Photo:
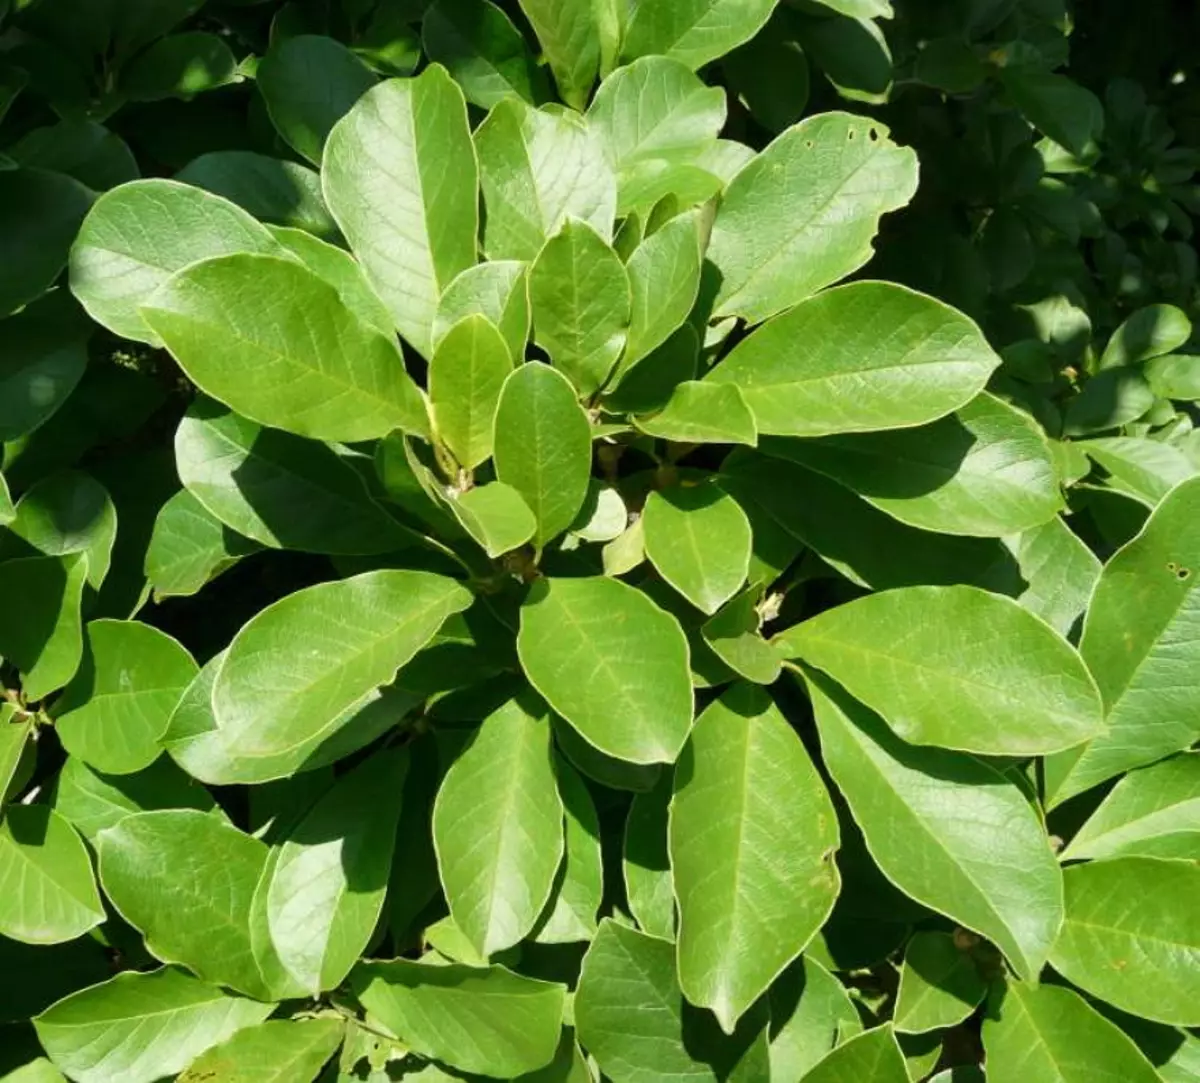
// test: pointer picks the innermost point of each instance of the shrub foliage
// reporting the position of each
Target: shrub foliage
(584, 540)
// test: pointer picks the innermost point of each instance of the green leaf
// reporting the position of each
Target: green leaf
(859, 358)
(811, 1013)
(117, 706)
(955, 667)
(179, 66)
(612, 663)
(1047, 1032)
(327, 890)
(735, 636)
(751, 895)
(273, 190)
(1132, 936)
(342, 271)
(646, 862)
(219, 757)
(274, 342)
(1144, 470)
(1152, 812)
(400, 175)
(1060, 572)
(138, 1028)
(1150, 332)
(803, 213)
(1108, 400)
(281, 1051)
(543, 447)
(309, 83)
(539, 168)
(1057, 106)
(1176, 376)
(570, 41)
(138, 235)
(945, 828)
(633, 1019)
(703, 413)
(655, 116)
(490, 1021)
(853, 53)
(315, 654)
(497, 291)
(69, 512)
(579, 295)
(281, 490)
(40, 213)
(47, 644)
(985, 471)
(940, 985)
(47, 891)
(190, 547)
(482, 50)
(570, 915)
(1136, 640)
(693, 31)
(664, 277)
(496, 516)
(92, 801)
(498, 828)
(470, 364)
(45, 353)
(699, 540)
(36, 1071)
(8, 511)
(159, 870)
(867, 546)
(873, 1055)
(83, 149)
(770, 75)
(14, 733)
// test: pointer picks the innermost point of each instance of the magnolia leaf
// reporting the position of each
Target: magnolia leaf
(734, 635)
(859, 358)
(579, 295)
(496, 516)
(750, 897)
(46, 645)
(693, 31)
(969, 670)
(612, 663)
(1150, 332)
(699, 539)
(273, 341)
(117, 706)
(309, 83)
(947, 829)
(47, 890)
(396, 185)
(646, 862)
(490, 1021)
(874, 1055)
(1152, 812)
(986, 471)
(138, 235)
(45, 353)
(940, 984)
(803, 213)
(811, 1013)
(497, 291)
(138, 1028)
(315, 654)
(1048, 1032)
(1060, 572)
(570, 915)
(158, 868)
(469, 366)
(1136, 642)
(498, 828)
(483, 50)
(1132, 936)
(280, 1051)
(190, 547)
(539, 168)
(703, 413)
(327, 888)
(543, 447)
(570, 40)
